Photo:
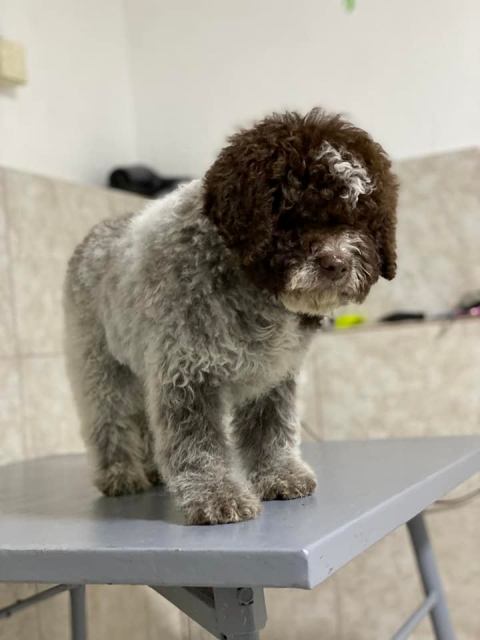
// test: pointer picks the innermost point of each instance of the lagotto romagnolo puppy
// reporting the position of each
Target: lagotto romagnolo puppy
(186, 323)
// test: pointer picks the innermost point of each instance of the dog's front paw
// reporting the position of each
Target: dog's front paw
(121, 479)
(228, 503)
(292, 480)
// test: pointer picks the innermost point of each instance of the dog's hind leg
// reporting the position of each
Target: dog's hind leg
(110, 401)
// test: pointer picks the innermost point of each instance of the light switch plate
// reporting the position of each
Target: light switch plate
(13, 68)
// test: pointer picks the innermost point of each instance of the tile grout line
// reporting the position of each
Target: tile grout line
(33, 356)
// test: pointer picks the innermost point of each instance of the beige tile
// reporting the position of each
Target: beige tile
(455, 537)
(37, 259)
(396, 381)
(379, 590)
(53, 616)
(9, 389)
(80, 209)
(164, 620)
(51, 424)
(294, 613)
(122, 203)
(359, 390)
(7, 336)
(308, 397)
(438, 230)
(11, 428)
(3, 220)
(126, 612)
(116, 612)
(22, 625)
(46, 220)
(452, 377)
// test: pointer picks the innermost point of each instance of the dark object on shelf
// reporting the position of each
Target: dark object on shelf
(142, 180)
(401, 316)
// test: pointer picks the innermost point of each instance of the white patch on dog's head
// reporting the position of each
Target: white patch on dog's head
(349, 170)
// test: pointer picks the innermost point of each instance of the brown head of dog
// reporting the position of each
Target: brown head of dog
(308, 204)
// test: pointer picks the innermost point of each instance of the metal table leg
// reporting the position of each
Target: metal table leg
(228, 614)
(432, 584)
(78, 617)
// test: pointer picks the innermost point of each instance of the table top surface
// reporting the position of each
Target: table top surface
(55, 527)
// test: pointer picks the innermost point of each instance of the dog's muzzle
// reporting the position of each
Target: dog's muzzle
(334, 265)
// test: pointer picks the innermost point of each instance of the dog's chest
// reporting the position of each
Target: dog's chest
(268, 359)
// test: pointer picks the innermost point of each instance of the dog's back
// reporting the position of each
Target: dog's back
(163, 280)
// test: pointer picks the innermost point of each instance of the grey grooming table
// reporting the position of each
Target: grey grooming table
(56, 528)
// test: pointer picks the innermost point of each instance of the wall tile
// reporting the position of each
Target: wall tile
(455, 536)
(116, 612)
(3, 213)
(22, 625)
(7, 335)
(11, 426)
(379, 590)
(438, 231)
(53, 616)
(9, 389)
(126, 612)
(122, 202)
(51, 423)
(37, 258)
(164, 620)
(46, 220)
(409, 380)
(309, 397)
(294, 613)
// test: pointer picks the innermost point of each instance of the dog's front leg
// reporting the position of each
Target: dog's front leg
(266, 431)
(192, 452)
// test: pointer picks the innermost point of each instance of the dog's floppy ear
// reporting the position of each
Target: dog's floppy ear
(243, 188)
(387, 208)
(239, 202)
(387, 248)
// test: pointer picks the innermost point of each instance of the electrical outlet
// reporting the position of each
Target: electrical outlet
(13, 68)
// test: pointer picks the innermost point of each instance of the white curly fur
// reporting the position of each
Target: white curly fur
(354, 175)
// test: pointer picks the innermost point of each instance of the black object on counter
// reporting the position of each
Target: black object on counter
(401, 316)
(142, 180)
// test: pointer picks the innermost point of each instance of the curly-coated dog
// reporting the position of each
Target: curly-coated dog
(187, 322)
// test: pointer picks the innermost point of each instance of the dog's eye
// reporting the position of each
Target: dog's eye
(315, 247)
(289, 221)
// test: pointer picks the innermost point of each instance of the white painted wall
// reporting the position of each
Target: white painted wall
(74, 118)
(407, 70)
(165, 81)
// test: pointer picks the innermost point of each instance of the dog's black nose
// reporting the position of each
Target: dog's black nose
(334, 265)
